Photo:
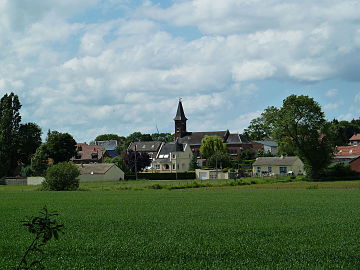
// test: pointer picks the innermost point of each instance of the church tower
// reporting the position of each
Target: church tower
(180, 122)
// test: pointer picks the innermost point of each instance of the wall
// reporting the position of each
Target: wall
(220, 174)
(355, 165)
(32, 181)
(15, 181)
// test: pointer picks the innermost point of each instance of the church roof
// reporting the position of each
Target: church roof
(180, 115)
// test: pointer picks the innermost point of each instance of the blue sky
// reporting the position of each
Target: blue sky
(90, 67)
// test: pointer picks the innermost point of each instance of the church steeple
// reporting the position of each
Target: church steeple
(180, 121)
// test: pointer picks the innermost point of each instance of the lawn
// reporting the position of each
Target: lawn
(230, 228)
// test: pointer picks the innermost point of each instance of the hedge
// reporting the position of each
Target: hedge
(163, 176)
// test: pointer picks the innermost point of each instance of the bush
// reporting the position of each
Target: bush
(338, 172)
(62, 176)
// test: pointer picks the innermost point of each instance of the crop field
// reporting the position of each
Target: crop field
(231, 228)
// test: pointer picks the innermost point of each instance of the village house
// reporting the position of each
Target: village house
(278, 166)
(87, 154)
(172, 157)
(345, 154)
(150, 147)
(100, 172)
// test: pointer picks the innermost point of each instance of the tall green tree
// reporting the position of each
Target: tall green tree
(301, 126)
(211, 145)
(29, 139)
(61, 147)
(9, 127)
(262, 127)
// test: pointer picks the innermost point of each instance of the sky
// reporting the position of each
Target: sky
(89, 67)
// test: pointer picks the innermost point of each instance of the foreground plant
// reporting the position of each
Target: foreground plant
(44, 227)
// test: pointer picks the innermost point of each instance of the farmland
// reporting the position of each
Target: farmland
(204, 228)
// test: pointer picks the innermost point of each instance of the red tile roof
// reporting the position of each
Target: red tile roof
(356, 137)
(352, 150)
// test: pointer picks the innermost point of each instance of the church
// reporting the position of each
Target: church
(235, 142)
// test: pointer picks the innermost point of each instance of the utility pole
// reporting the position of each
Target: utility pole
(136, 177)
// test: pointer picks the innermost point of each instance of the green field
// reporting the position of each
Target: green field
(212, 228)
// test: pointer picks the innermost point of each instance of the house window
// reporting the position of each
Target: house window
(283, 170)
(173, 166)
(94, 156)
(157, 166)
(270, 169)
(173, 156)
(258, 169)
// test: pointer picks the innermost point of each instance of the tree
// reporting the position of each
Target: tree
(211, 145)
(108, 137)
(193, 163)
(219, 160)
(9, 126)
(262, 127)
(343, 130)
(162, 137)
(301, 126)
(29, 139)
(60, 146)
(62, 176)
(142, 160)
(39, 161)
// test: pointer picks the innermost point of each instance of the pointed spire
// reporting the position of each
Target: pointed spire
(180, 115)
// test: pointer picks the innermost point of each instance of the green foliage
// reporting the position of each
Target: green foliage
(44, 227)
(108, 137)
(9, 127)
(301, 127)
(262, 153)
(338, 172)
(342, 131)
(60, 146)
(137, 163)
(211, 145)
(163, 137)
(193, 163)
(39, 161)
(219, 160)
(62, 176)
(29, 137)
(247, 154)
(262, 127)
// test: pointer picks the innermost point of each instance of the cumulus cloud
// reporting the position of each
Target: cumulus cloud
(120, 73)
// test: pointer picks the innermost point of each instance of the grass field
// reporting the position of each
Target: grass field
(204, 228)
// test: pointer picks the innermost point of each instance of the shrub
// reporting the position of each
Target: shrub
(62, 176)
(338, 172)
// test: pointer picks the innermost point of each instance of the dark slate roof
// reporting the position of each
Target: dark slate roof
(180, 115)
(194, 138)
(171, 147)
(152, 146)
(236, 138)
(275, 161)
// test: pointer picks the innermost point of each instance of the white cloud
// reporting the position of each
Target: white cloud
(331, 93)
(122, 74)
(331, 106)
(253, 70)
